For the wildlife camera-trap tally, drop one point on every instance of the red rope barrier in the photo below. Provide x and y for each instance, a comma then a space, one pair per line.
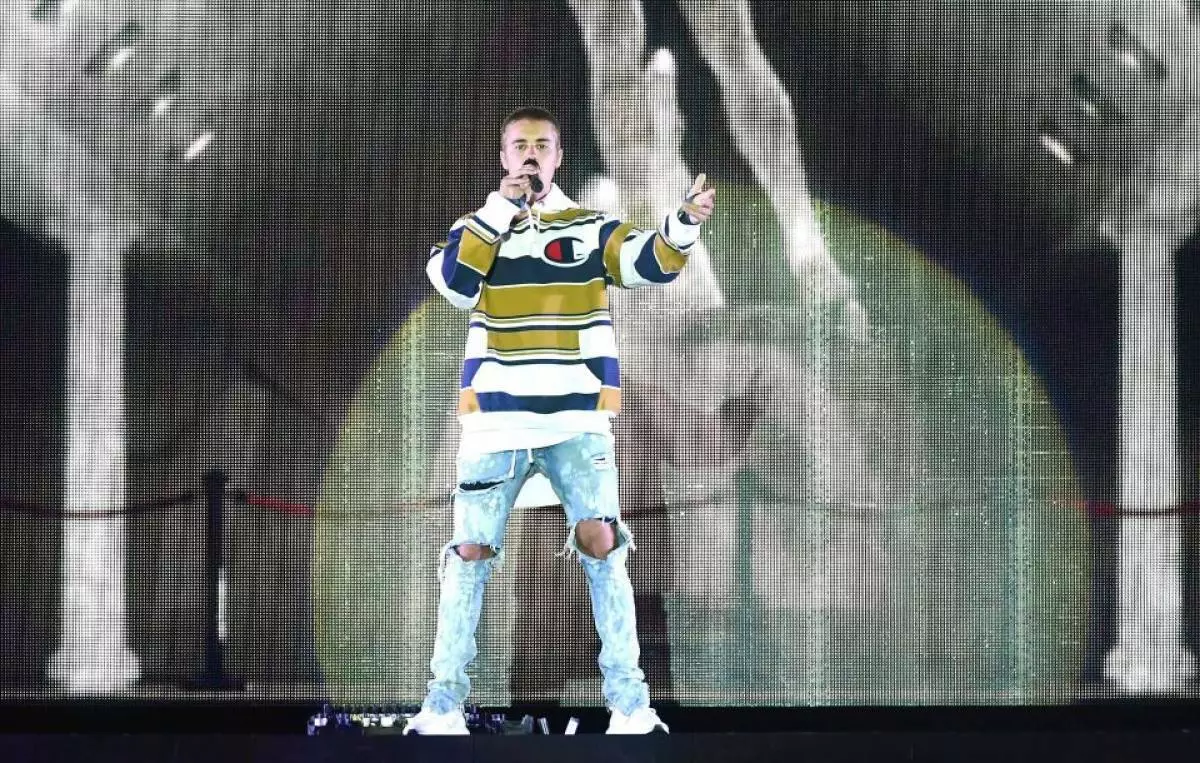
274, 504
15, 506
28, 508
1105, 509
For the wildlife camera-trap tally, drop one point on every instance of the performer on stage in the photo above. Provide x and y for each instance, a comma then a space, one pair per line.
540, 383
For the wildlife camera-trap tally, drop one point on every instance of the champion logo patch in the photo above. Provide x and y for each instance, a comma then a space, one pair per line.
563, 252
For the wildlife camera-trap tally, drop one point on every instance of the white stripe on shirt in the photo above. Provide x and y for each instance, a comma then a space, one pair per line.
542, 379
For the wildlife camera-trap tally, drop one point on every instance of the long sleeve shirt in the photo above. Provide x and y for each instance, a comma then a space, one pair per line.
541, 363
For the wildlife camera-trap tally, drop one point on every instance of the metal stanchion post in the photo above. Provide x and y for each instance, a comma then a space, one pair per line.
214, 678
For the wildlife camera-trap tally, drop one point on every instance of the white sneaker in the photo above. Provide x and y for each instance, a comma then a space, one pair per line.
426, 723
644, 720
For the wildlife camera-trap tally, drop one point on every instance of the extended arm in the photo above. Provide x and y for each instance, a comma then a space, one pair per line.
634, 257
458, 265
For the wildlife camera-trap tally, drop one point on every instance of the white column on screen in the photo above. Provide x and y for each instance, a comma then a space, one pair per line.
93, 656
1150, 654
68, 193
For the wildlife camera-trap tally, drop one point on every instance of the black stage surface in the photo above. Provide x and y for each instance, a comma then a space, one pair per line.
798, 746
180, 732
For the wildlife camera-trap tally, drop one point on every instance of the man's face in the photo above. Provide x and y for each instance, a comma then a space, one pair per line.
531, 139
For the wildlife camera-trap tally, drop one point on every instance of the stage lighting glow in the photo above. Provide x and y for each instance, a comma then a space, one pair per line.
162, 105
166, 93
832, 647
663, 62
114, 54
222, 606
120, 58
1134, 54
1056, 146
198, 145
1092, 100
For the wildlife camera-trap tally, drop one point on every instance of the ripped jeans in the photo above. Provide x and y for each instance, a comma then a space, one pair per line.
583, 473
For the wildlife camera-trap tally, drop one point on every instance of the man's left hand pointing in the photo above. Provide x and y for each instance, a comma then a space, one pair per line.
698, 204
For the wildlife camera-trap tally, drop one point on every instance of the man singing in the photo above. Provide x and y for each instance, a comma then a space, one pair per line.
540, 383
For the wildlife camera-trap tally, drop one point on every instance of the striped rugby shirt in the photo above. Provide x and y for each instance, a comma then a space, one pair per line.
541, 358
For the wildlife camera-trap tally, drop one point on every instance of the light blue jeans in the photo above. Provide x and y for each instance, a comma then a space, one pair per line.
583, 473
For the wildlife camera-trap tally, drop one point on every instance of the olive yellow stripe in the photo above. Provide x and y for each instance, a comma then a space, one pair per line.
522, 226
540, 319
517, 354
570, 215
476, 253
475, 228
612, 252
670, 259
534, 340
538, 299
546, 284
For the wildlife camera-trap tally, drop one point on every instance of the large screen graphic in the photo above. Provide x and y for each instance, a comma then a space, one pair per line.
912, 426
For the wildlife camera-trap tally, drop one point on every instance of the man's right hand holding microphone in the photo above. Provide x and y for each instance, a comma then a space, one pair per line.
524, 182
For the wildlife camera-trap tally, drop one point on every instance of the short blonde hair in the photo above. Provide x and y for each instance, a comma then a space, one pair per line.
533, 113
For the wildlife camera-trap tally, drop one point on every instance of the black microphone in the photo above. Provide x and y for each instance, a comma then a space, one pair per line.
535, 182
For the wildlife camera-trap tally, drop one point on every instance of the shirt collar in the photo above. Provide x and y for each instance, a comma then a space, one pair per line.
554, 201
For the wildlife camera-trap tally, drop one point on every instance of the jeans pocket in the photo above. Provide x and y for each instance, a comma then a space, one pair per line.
485, 472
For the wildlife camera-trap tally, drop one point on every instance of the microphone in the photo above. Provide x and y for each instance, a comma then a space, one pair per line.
535, 182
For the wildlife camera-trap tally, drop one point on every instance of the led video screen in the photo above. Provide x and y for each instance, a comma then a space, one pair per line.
870, 438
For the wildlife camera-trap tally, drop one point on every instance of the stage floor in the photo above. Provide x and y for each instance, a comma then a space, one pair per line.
249, 716
827, 747
241, 727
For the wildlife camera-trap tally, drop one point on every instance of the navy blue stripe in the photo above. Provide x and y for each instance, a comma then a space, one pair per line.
538, 327
469, 369
606, 231
536, 362
502, 401
538, 315
532, 271
607, 370
647, 265
479, 221
459, 278
450, 254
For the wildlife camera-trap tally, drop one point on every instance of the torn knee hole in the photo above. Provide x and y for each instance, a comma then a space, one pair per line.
473, 552
469, 487
597, 538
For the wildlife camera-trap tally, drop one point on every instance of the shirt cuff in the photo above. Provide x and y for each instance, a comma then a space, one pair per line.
682, 235
498, 212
